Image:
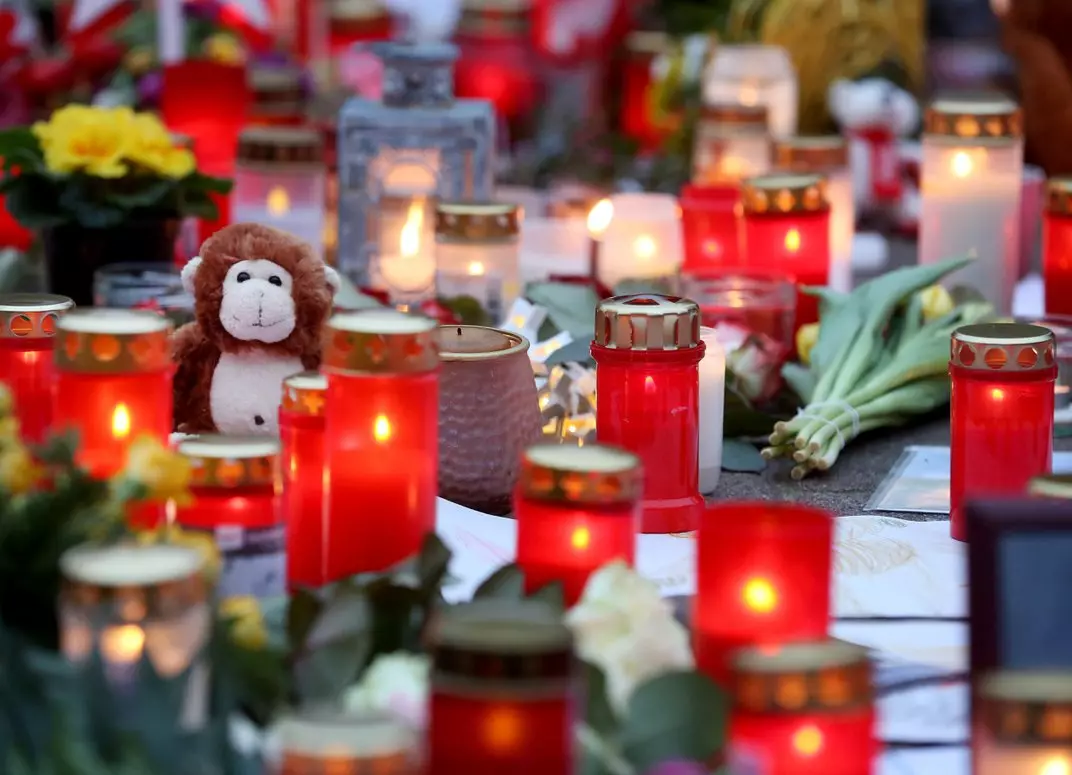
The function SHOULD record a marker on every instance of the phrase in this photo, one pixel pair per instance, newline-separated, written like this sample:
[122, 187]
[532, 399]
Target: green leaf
[963, 294]
[33, 201]
[20, 143]
[201, 183]
[599, 713]
[198, 206]
[507, 582]
[577, 351]
[432, 563]
[89, 209]
[800, 379]
[145, 193]
[338, 645]
[1063, 431]
[304, 609]
[741, 457]
[553, 594]
[570, 307]
[679, 715]
[471, 312]
[740, 418]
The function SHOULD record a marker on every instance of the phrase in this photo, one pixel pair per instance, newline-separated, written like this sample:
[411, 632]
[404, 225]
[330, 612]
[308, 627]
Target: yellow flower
[936, 302]
[138, 60]
[18, 471]
[203, 543]
[248, 629]
[86, 139]
[9, 430]
[165, 474]
[807, 336]
[7, 403]
[151, 147]
[224, 49]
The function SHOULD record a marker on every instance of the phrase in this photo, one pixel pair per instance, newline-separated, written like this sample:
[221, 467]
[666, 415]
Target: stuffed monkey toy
[261, 297]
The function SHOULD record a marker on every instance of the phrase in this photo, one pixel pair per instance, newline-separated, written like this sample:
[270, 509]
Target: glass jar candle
[763, 578]
[712, 407]
[755, 75]
[278, 94]
[321, 742]
[349, 23]
[380, 439]
[27, 339]
[301, 433]
[641, 118]
[577, 509]
[1057, 246]
[732, 143]
[803, 708]
[280, 181]
[786, 229]
[1001, 412]
[1020, 723]
[477, 253]
[827, 156]
[235, 500]
[112, 384]
[970, 182]
[503, 691]
[647, 350]
[406, 266]
[642, 241]
[709, 227]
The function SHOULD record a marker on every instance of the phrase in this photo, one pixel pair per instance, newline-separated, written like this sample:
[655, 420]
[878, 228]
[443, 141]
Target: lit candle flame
[122, 644]
[409, 242]
[749, 94]
[581, 538]
[599, 218]
[644, 247]
[792, 240]
[120, 422]
[278, 202]
[476, 269]
[503, 729]
[997, 394]
[1056, 766]
[381, 428]
[808, 741]
[961, 164]
[760, 596]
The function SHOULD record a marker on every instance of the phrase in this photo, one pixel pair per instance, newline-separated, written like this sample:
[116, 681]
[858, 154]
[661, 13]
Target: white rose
[394, 683]
[654, 648]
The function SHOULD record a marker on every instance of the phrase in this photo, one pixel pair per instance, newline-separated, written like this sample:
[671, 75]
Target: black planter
[73, 253]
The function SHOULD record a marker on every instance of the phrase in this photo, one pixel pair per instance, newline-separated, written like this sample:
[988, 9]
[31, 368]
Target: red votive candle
[1057, 246]
[496, 61]
[381, 439]
[786, 229]
[301, 432]
[27, 331]
[235, 500]
[502, 691]
[803, 709]
[709, 226]
[1001, 412]
[647, 349]
[577, 509]
[113, 383]
[763, 578]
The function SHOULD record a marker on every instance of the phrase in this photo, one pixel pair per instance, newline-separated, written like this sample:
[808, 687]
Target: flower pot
[73, 254]
[488, 414]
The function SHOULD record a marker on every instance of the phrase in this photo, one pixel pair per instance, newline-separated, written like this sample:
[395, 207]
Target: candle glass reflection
[476, 253]
[1057, 247]
[406, 265]
[577, 509]
[712, 406]
[732, 143]
[1001, 412]
[319, 742]
[27, 339]
[643, 240]
[755, 75]
[301, 432]
[380, 439]
[709, 227]
[971, 180]
[1020, 724]
[113, 383]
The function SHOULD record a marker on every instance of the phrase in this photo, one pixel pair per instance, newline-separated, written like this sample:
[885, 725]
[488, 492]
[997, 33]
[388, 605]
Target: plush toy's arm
[195, 361]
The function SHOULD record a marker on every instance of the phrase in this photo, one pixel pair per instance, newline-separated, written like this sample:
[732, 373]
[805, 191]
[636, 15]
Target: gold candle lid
[1003, 347]
[1059, 196]
[594, 473]
[113, 341]
[736, 115]
[304, 393]
[477, 222]
[1051, 486]
[31, 315]
[979, 117]
[281, 146]
[495, 17]
[829, 676]
[225, 462]
[780, 194]
[647, 321]
[325, 743]
[810, 154]
[380, 341]
[1027, 707]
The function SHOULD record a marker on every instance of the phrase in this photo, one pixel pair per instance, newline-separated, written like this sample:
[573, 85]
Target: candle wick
[459, 330]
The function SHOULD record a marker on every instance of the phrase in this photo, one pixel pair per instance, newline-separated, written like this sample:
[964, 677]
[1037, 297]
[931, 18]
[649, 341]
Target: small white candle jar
[477, 253]
[321, 742]
[643, 240]
[712, 405]
[279, 181]
[405, 267]
[732, 143]
[755, 75]
[971, 179]
[1023, 724]
[827, 156]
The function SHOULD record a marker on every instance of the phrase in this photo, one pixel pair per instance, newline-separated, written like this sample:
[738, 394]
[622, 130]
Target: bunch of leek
[876, 362]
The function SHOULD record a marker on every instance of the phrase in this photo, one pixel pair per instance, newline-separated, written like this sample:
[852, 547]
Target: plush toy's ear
[189, 272]
[839, 99]
[332, 278]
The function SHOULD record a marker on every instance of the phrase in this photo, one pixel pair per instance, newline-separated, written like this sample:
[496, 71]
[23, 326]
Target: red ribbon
[885, 162]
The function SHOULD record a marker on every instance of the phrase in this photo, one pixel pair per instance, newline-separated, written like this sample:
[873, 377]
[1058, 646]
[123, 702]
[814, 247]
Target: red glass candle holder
[786, 228]
[803, 709]
[577, 509]
[647, 350]
[709, 216]
[639, 119]
[27, 331]
[301, 432]
[381, 439]
[113, 383]
[235, 500]
[1001, 412]
[496, 61]
[1057, 247]
[759, 304]
[763, 577]
[212, 116]
[502, 691]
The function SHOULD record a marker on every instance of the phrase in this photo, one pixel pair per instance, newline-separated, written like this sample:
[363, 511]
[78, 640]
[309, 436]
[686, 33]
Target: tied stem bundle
[878, 361]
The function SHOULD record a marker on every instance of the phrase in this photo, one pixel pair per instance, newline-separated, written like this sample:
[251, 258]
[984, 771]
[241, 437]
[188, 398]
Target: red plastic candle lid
[829, 675]
[31, 315]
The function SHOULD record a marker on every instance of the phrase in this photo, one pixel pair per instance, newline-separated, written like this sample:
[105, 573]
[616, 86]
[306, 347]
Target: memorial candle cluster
[1057, 247]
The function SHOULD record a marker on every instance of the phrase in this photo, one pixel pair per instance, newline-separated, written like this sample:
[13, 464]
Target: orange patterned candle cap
[113, 341]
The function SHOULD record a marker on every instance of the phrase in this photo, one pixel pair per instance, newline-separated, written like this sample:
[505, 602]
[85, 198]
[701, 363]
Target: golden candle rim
[797, 657]
[783, 193]
[998, 347]
[983, 117]
[323, 734]
[597, 474]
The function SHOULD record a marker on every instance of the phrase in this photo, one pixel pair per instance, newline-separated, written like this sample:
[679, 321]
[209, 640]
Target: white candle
[643, 240]
[712, 402]
[406, 267]
[732, 143]
[476, 253]
[755, 75]
[839, 192]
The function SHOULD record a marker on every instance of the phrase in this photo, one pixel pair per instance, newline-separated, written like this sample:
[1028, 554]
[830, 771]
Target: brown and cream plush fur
[261, 297]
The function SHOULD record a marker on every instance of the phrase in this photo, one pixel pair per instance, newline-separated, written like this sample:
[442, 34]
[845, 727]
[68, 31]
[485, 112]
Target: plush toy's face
[872, 102]
[257, 305]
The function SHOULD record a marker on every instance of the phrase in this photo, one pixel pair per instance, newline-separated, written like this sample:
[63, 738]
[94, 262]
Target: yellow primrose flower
[9, 430]
[248, 629]
[807, 336]
[936, 302]
[7, 403]
[18, 471]
[224, 49]
[89, 140]
[165, 474]
[152, 147]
